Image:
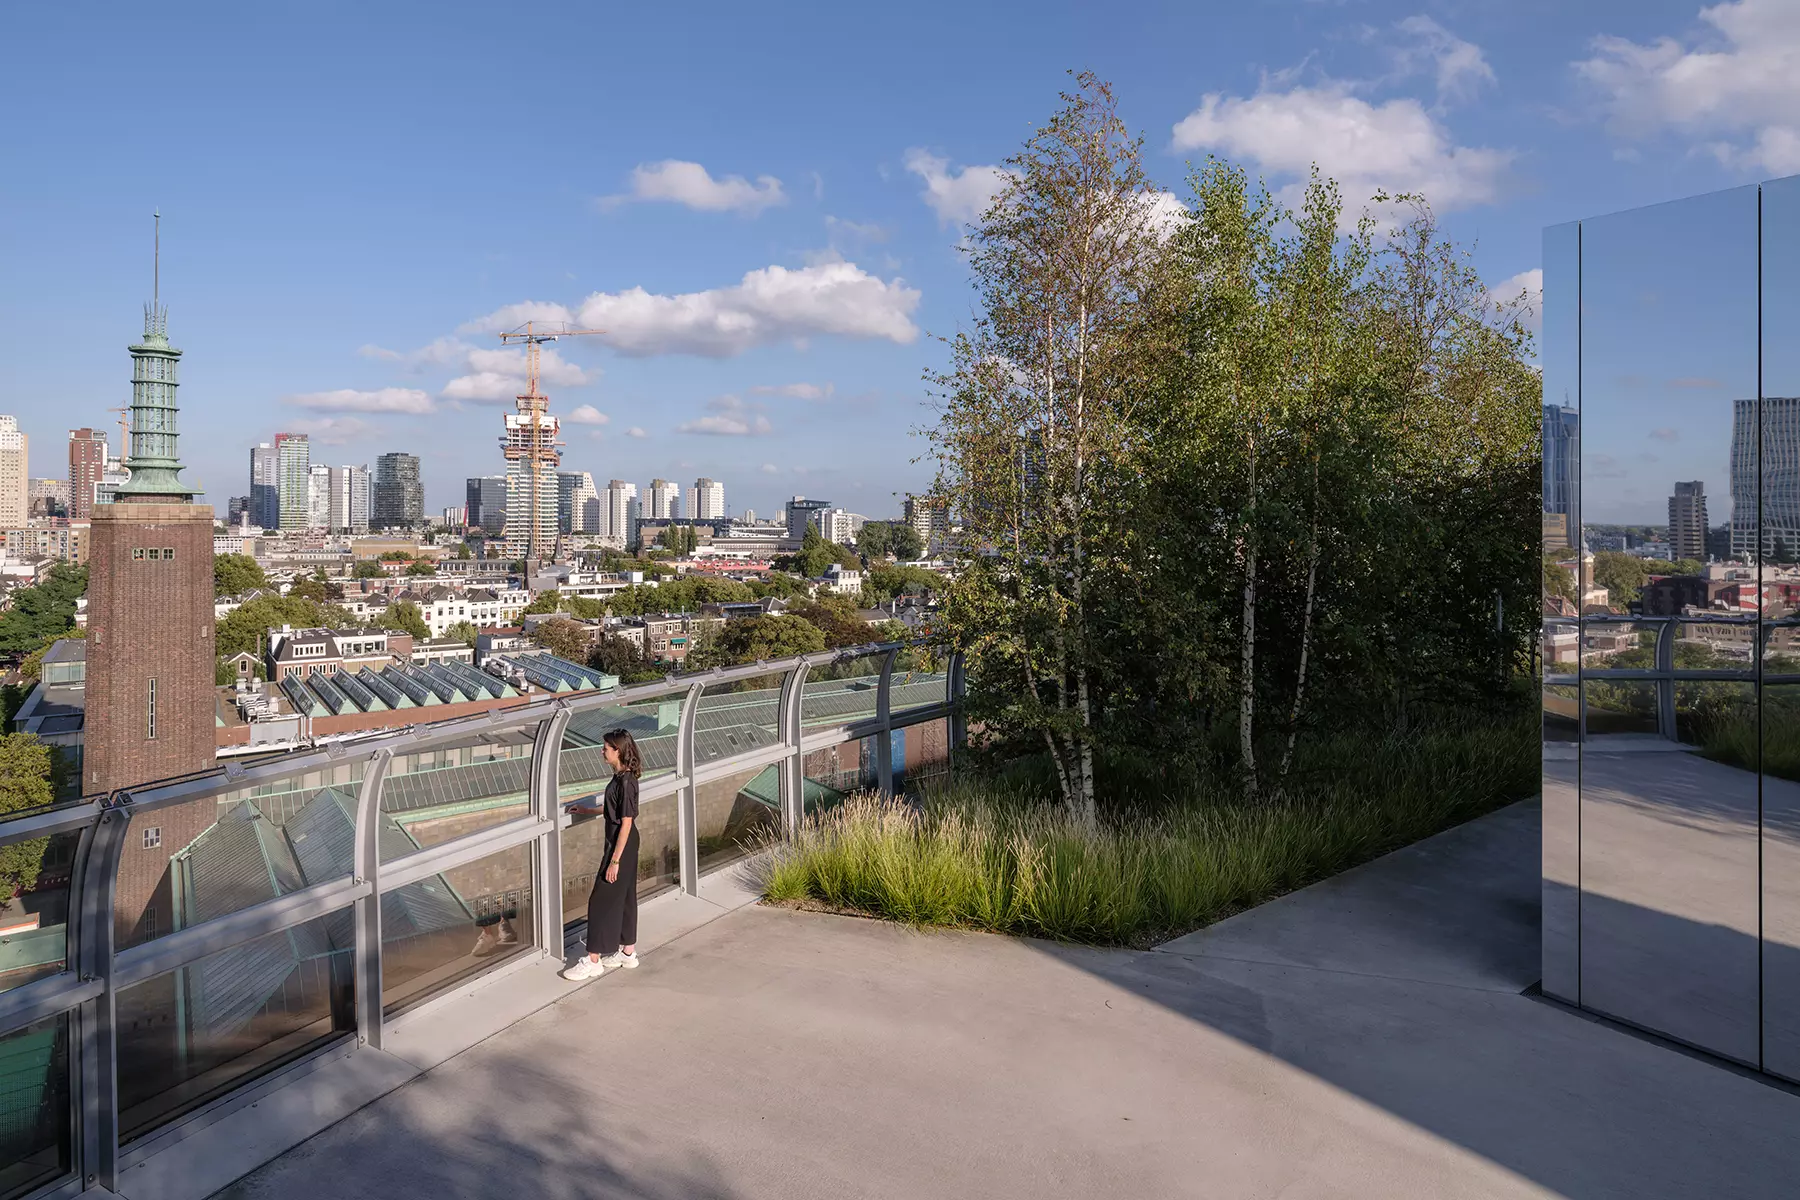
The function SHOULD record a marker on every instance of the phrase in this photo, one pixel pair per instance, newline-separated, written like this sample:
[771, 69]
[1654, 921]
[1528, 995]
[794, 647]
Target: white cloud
[1394, 146]
[770, 305]
[504, 320]
[410, 401]
[957, 196]
[731, 417]
[496, 376]
[333, 431]
[1460, 67]
[636, 431]
[1530, 286]
[442, 352]
[691, 185]
[798, 391]
[587, 414]
[1733, 84]
[770, 469]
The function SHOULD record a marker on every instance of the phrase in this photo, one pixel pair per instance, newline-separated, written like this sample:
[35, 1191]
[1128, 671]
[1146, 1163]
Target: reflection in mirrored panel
[653, 724]
[34, 923]
[1780, 587]
[921, 758]
[1559, 355]
[737, 814]
[841, 693]
[206, 858]
[455, 790]
[35, 1133]
[921, 678]
[197, 1032]
[1669, 522]
[838, 771]
[737, 718]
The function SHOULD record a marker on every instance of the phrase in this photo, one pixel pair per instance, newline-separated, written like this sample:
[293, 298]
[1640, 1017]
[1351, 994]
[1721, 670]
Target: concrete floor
[1363, 1038]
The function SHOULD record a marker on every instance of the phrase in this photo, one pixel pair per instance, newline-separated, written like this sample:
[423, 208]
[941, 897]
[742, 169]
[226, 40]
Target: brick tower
[150, 649]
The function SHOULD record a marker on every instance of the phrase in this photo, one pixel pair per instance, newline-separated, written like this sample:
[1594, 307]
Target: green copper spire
[151, 457]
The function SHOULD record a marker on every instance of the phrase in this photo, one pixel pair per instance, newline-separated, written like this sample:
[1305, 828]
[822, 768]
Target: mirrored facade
[1671, 648]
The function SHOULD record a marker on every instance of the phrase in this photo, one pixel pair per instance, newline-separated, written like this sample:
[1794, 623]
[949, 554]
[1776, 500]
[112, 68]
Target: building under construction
[533, 452]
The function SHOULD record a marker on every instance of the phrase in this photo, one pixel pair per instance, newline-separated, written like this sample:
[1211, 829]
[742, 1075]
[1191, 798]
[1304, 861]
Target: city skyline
[773, 280]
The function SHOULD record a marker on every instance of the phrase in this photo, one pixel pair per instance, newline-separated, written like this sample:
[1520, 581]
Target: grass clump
[995, 855]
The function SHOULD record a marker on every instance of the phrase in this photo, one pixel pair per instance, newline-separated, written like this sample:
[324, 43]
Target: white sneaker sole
[575, 975]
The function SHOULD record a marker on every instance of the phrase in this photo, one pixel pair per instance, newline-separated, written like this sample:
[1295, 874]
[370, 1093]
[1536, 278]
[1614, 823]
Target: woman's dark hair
[626, 745]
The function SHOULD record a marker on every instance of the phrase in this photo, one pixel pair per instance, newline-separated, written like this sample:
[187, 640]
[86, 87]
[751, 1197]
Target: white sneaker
[584, 968]
[621, 960]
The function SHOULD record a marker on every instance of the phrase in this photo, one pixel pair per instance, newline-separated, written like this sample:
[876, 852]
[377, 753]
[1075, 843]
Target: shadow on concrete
[1400, 982]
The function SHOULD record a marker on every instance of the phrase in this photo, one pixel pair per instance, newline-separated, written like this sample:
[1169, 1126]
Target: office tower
[15, 482]
[573, 490]
[748, 517]
[87, 463]
[1562, 436]
[150, 635]
[665, 500]
[840, 525]
[49, 497]
[294, 481]
[801, 513]
[348, 504]
[621, 512]
[113, 479]
[705, 500]
[531, 447]
[237, 509]
[318, 497]
[265, 486]
[1687, 521]
[927, 518]
[1779, 535]
[397, 498]
[456, 518]
[486, 504]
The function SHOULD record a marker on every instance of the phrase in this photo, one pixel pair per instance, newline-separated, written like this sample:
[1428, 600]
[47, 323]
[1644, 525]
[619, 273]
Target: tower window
[138, 553]
[152, 837]
[151, 721]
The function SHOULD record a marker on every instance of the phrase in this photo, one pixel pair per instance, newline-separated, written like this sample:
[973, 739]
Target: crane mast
[531, 439]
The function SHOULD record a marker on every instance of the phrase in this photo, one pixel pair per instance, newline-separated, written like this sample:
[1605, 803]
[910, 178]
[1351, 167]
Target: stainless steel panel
[1561, 643]
[1669, 904]
[1781, 609]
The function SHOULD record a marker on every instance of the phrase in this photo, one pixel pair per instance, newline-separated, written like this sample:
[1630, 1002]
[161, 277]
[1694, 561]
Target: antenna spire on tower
[156, 262]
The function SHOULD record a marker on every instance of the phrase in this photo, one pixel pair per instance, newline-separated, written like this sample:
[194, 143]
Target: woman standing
[612, 908]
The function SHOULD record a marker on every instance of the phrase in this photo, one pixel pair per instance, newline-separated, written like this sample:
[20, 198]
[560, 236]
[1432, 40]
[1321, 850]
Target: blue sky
[759, 203]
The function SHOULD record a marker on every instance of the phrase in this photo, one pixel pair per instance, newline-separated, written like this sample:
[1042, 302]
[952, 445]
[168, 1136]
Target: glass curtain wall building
[1671, 712]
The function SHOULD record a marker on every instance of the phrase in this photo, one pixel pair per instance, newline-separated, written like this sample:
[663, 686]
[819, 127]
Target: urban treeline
[1235, 469]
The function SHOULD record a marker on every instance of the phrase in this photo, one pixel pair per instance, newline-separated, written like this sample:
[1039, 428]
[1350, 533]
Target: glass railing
[234, 923]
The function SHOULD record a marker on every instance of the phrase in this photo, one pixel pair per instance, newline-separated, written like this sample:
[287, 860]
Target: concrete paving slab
[796, 1055]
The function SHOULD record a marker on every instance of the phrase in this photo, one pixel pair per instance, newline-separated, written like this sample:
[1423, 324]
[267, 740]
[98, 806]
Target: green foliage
[1559, 580]
[41, 614]
[779, 583]
[835, 617]
[679, 539]
[422, 566]
[994, 854]
[883, 583]
[545, 602]
[1622, 575]
[816, 554]
[685, 594]
[247, 627]
[563, 638]
[877, 539]
[395, 556]
[463, 551]
[517, 566]
[26, 766]
[753, 639]
[224, 674]
[315, 590]
[366, 569]
[619, 656]
[235, 574]
[463, 631]
[405, 616]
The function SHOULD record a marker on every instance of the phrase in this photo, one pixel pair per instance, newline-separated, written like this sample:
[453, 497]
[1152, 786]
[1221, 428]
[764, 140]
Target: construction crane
[531, 432]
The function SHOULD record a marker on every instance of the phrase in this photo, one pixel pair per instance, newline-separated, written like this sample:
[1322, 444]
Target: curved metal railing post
[687, 820]
[793, 768]
[884, 741]
[366, 860]
[958, 724]
[92, 889]
[1665, 683]
[546, 805]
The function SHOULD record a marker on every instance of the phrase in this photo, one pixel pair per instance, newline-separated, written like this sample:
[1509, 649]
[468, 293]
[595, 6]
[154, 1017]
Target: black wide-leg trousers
[612, 907]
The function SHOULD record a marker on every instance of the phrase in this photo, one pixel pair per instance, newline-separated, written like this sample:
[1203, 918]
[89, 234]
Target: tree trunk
[1247, 658]
[1312, 580]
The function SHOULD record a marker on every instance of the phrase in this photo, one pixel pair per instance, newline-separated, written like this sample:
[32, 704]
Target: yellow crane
[531, 435]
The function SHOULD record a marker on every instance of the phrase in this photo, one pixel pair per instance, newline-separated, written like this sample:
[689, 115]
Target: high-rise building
[318, 497]
[456, 518]
[347, 504]
[1687, 521]
[49, 497]
[237, 510]
[15, 473]
[486, 504]
[293, 452]
[840, 525]
[801, 513]
[1779, 533]
[665, 500]
[927, 518]
[360, 497]
[705, 500]
[622, 513]
[749, 516]
[397, 497]
[531, 447]
[265, 486]
[150, 653]
[87, 463]
[573, 490]
[1562, 437]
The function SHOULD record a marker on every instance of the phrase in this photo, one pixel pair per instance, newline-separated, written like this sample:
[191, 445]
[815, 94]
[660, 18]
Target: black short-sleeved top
[621, 801]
